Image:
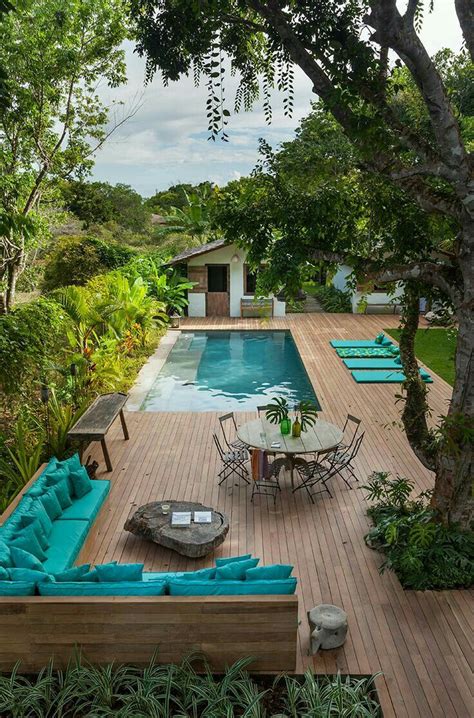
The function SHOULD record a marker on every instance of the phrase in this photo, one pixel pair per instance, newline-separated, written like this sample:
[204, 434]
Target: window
[250, 280]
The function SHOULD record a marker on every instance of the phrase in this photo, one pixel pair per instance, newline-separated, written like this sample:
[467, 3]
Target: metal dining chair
[350, 419]
[343, 461]
[232, 444]
[262, 410]
[233, 462]
[270, 485]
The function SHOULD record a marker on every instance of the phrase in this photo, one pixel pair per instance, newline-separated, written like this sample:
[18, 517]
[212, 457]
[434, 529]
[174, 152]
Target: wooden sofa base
[130, 629]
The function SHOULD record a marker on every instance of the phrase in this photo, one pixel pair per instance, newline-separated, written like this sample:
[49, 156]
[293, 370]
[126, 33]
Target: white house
[378, 301]
[225, 285]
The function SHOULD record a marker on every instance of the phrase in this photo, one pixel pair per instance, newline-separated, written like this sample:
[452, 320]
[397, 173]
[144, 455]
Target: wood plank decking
[422, 642]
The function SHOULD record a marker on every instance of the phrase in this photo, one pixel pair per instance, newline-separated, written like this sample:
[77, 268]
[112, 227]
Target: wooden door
[217, 297]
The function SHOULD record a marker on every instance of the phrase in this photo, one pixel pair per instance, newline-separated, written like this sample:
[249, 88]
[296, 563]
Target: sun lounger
[385, 377]
[353, 343]
[372, 364]
[363, 352]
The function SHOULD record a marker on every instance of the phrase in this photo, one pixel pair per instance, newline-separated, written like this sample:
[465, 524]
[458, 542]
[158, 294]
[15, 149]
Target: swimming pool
[229, 371]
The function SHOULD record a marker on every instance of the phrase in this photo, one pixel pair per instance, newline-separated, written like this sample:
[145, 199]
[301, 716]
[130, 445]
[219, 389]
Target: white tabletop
[260, 434]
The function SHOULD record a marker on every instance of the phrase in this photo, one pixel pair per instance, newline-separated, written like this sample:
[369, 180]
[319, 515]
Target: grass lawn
[435, 348]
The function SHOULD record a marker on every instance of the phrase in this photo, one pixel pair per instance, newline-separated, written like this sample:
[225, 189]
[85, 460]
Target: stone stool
[328, 625]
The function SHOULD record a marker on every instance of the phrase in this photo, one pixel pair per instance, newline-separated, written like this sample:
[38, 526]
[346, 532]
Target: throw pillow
[27, 541]
[36, 527]
[73, 463]
[278, 571]
[38, 512]
[81, 482]
[90, 576]
[76, 573]
[51, 504]
[4, 575]
[201, 574]
[24, 559]
[120, 572]
[235, 571]
[55, 475]
[379, 338]
[5, 558]
[232, 559]
[28, 574]
[397, 360]
[63, 494]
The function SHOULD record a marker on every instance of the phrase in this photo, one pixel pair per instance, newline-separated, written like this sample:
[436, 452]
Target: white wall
[375, 298]
[223, 255]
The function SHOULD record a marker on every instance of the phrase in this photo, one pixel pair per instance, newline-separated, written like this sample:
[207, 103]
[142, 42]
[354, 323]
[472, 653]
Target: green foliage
[30, 337]
[277, 410]
[423, 552]
[192, 219]
[307, 414]
[163, 691]
[62, 418]
[333, 299]
[77, 259]
[175, 196]
[100, 202]
[436, 348]
[21, 462]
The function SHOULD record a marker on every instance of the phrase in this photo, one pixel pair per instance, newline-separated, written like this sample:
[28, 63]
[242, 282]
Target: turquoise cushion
[56, 475]
[91, 576]
[87, 507]
[73, 463]
[386, 342]
[81, 482]
[235, 571]
[224, 561]
[37, 529]
[120, 572]
[202, 574]
[5, 558]
[182, 587]
[37, 512]
[76, 573]
[275, 572]
[28, 574]
[162, 576]
[17, 588]
[27, 541]
[397, 360]
[125, 588]
[23, 559]
[39, 486]
[379, 338]
[4, 575]
[66, 540]
[51, 504]
[62, 494]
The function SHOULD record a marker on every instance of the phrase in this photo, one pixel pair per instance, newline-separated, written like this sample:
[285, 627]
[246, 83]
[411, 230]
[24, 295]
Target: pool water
[229, 371]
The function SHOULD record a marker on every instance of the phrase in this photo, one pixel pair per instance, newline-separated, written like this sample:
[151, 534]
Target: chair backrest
[356, 447]
[353, 420]
[262, 409]
[218, 446]
[222, 420]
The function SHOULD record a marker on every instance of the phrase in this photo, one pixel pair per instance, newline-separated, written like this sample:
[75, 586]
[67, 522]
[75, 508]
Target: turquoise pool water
[229, 371]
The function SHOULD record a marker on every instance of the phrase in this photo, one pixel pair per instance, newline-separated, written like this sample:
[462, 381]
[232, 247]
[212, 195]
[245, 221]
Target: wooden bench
[251, 307]
[97, 420]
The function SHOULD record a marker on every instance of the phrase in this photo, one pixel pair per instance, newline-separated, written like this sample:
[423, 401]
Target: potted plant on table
[306, 415]
[277, 413]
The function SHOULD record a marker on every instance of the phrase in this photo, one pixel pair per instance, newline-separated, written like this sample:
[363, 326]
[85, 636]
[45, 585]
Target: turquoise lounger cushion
[109, 573]
[24, 559]
[371, 363]
[80, 481]
[28, 574]
[5, 557]
[17, 588]
[231, 559]
[27, 541]
[181, 587]
[276, 571]
[66, 541]
[76, 573]
[124, 588]
[367, 352]
[356, 343]
[87, 507]
[235, 571]
[384, 377]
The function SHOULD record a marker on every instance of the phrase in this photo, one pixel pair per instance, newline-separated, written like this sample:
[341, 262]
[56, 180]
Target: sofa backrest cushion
[235, 571]
[277, 571]
[201, 574]
[120, 572]
[80, 482]
[17, 588]
[51, 504]
[24, 559]
[28, 574]
[5, 556]
[4, 575]
[182, 587]
[231, 559]
[123, 588]
[27, 541]
[63, 494]
[37, 513]
[76, 573]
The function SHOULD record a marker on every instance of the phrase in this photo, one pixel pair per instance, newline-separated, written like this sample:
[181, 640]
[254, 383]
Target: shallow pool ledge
[147, 374]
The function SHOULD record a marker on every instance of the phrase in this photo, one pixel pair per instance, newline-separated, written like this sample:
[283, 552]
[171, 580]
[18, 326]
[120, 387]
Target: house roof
[196, 251]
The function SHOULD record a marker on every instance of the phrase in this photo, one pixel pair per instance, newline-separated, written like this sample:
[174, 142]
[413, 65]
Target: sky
[165, 142]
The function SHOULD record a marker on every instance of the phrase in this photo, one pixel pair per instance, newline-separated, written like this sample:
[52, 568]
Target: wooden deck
[420, 641]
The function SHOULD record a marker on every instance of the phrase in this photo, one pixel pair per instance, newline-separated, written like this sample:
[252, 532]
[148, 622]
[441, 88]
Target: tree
[54, 53]
[192, 219]
[175, 196]
[351, 73]
[99, 202]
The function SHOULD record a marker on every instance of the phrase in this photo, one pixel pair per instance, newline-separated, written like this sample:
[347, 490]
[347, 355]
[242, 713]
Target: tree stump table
[195, 541]
[328, 626]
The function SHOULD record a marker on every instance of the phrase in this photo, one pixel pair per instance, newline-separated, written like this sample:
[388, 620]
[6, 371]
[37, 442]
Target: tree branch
[465, 13]
[411, 11]
[429, 272]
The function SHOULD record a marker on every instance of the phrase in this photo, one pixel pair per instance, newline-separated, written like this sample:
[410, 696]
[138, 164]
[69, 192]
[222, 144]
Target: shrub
[332, 299]
[423, 552]
[29, 341]
[77, 259]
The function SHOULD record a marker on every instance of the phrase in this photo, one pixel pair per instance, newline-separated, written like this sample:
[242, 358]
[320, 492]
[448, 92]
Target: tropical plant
[61, 418]
[172, 290]
[277, 410]
[192, 219]
[306, 413]
[423, 552]
[89, 318]
[333, 299]
[23, 459]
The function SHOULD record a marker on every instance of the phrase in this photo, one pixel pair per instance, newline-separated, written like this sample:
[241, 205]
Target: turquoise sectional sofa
[44, 534]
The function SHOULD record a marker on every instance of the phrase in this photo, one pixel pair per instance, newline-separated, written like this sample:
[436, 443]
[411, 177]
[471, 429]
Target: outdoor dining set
[256, 452]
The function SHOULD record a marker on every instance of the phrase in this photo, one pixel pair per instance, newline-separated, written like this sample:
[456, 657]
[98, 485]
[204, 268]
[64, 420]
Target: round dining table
[261, 434]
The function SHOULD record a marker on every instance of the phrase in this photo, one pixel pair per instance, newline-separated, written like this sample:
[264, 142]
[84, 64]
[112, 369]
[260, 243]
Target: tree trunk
[416, 409]
[13, 272]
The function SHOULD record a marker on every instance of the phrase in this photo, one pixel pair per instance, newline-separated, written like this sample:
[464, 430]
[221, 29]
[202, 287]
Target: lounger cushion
[109, 573]
[231, 559]
[124, 588]
[384, 377]
[370, 352]
[388, 363]
[24, 559]
[356, 343]
[87, 507]
[181, 587]
[235, 571]
[81, 482]
[17, 588]
[66, 541]
[76, 573]
[275, 572]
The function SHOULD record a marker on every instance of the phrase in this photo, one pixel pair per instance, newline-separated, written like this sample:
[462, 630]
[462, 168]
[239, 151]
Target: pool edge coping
[147, 374]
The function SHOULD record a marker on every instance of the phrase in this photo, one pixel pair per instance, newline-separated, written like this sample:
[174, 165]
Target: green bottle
[285, 426]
